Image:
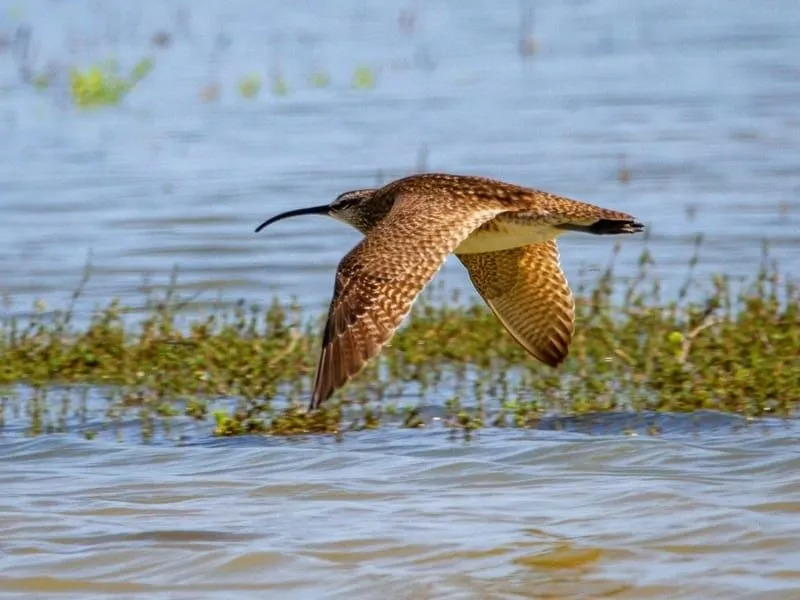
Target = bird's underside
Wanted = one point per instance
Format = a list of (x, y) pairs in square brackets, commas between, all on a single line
[(528, 293), (524, 287), (502, 233)]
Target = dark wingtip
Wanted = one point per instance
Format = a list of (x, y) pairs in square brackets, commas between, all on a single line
[(607, 227), (612, 226), (636, 227), (317, 401)]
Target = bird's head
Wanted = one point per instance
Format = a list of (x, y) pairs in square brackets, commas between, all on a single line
[(352, 208)]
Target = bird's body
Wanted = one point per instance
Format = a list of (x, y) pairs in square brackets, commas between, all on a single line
[(503, 234)]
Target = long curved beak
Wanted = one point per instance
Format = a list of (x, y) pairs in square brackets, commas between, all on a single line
[(314, 210)]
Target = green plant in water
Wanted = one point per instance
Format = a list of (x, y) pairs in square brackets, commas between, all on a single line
[(197, 409), (412, 418), (141, 70), (731, 350), (363, 78), (279, 86), (249, 86), (41, 81), (166, 409), (102, 85), (226, 425), (320, 79)]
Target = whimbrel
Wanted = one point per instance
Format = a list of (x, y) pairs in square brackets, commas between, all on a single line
[(504, 234)]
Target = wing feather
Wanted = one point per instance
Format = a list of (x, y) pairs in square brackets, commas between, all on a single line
[(379, 279), (528, 292)]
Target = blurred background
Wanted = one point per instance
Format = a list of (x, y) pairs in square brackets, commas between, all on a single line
[(148, 136)]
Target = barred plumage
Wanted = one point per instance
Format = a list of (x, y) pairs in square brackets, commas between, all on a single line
[(503, 233)]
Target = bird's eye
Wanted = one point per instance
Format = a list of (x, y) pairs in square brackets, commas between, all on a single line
[(343, 202)]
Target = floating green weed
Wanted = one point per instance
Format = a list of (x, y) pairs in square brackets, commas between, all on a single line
[(102, 85), (279, 86), (363, 78), (320, 79), (249, 86)]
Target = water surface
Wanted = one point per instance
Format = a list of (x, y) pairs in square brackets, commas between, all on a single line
[(700, 100)]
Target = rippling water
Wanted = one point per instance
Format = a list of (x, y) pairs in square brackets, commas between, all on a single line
[(700, 99), (709, 509)]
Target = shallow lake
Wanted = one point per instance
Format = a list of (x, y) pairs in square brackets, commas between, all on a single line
[(695, 103)]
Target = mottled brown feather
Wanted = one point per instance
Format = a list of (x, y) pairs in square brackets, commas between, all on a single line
[(379, 279), (412, 224), (528, 292)]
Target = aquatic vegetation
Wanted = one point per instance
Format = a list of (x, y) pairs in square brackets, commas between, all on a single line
[(249, 86), (141, 69), (102, 85), (363, 78), (279, 86), (320, 79), (729, 348), (42, 81)]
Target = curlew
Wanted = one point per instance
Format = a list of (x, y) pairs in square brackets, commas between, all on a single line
[(504, 234)]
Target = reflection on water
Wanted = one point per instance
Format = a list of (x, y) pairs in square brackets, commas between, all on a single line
[(698, 105)]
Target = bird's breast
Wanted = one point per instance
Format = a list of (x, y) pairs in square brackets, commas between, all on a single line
[(503, 233)]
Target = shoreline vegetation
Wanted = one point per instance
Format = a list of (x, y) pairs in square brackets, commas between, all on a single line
[(715, 346)]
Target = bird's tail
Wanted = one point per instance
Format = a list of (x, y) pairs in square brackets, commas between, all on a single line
[(607, 226)]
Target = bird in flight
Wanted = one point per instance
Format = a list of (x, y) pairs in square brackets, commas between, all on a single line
[(504, 234)]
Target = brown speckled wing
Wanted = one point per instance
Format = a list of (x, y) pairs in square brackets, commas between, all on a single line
[(379, 279), (527, 291)]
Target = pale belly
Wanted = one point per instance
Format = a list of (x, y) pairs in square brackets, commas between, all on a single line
[(499, 235)]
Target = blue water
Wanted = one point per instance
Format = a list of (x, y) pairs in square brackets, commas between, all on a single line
[(699, 101)]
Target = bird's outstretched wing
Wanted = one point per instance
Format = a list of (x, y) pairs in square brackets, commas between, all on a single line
[(529, 294), (379, 279)]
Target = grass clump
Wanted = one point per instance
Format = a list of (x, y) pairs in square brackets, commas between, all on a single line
[(730, 348), (102, 84)]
